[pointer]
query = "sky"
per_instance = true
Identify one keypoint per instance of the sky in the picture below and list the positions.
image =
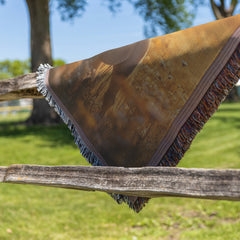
(96, 31)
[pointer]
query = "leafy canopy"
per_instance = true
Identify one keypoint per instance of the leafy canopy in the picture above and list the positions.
(9, 69)
(164, 15)
(159, 15)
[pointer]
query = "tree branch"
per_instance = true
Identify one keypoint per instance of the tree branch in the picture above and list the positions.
(220, 11)
(223, 4)
(233, 6)
(216, 10)
(24, 86)
(146, 182)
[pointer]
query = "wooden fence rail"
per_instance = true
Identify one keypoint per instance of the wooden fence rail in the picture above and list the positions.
(146, 181)
(24, 86)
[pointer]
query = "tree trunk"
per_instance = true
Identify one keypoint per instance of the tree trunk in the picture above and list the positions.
(40, 53)
(220, 11)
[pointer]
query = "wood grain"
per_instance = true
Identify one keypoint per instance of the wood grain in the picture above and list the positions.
(24, 86)
(146, 182)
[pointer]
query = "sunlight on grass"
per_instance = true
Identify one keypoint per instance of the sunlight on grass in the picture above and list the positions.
(33, 212)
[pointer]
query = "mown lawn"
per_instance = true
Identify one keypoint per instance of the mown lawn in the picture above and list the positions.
(31, 212)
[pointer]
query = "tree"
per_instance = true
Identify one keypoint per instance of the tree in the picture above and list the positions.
(170, 15)
(167, 15)
(221, 10)
(40, 53)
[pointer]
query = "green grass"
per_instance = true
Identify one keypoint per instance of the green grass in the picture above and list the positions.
(39, 213)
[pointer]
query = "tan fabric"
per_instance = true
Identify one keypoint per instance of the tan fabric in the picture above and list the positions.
(124, 101)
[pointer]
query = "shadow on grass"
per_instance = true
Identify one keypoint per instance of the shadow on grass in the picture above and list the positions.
(229, 114)
(228, 109)
(222, 110)
(231, 119)
(60, 135)
(228, 118)
(57, 135)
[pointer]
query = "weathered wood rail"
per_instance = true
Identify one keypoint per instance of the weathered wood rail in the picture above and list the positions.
(147, 181)
(24, 86)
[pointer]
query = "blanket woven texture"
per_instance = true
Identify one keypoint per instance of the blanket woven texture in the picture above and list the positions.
(142, 104)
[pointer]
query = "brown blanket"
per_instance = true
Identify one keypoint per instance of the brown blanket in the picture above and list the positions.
(142, 104)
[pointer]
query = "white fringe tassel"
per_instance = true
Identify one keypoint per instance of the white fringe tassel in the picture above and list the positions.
(89, 155)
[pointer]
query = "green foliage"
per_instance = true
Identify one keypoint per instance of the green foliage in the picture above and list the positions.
(58, 62)
(13, 68)
(34, 212)
(159, 15)
(9, 69)
(4, 75)
(71, 8)
(165, 15)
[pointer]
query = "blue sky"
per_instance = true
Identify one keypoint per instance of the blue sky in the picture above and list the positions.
(96, 31)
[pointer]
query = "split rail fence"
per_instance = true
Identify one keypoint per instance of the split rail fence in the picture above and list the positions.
(146, 181)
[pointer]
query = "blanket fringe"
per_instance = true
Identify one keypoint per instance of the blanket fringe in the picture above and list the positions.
(217, 92)
(89, 155)
(209, 104)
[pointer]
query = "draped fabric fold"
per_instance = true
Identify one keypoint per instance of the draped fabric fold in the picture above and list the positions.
(143, 104)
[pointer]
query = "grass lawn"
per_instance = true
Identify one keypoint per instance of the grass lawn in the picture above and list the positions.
(34, 212)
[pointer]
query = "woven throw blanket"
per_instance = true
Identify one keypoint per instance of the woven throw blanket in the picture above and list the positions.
(143, 104)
